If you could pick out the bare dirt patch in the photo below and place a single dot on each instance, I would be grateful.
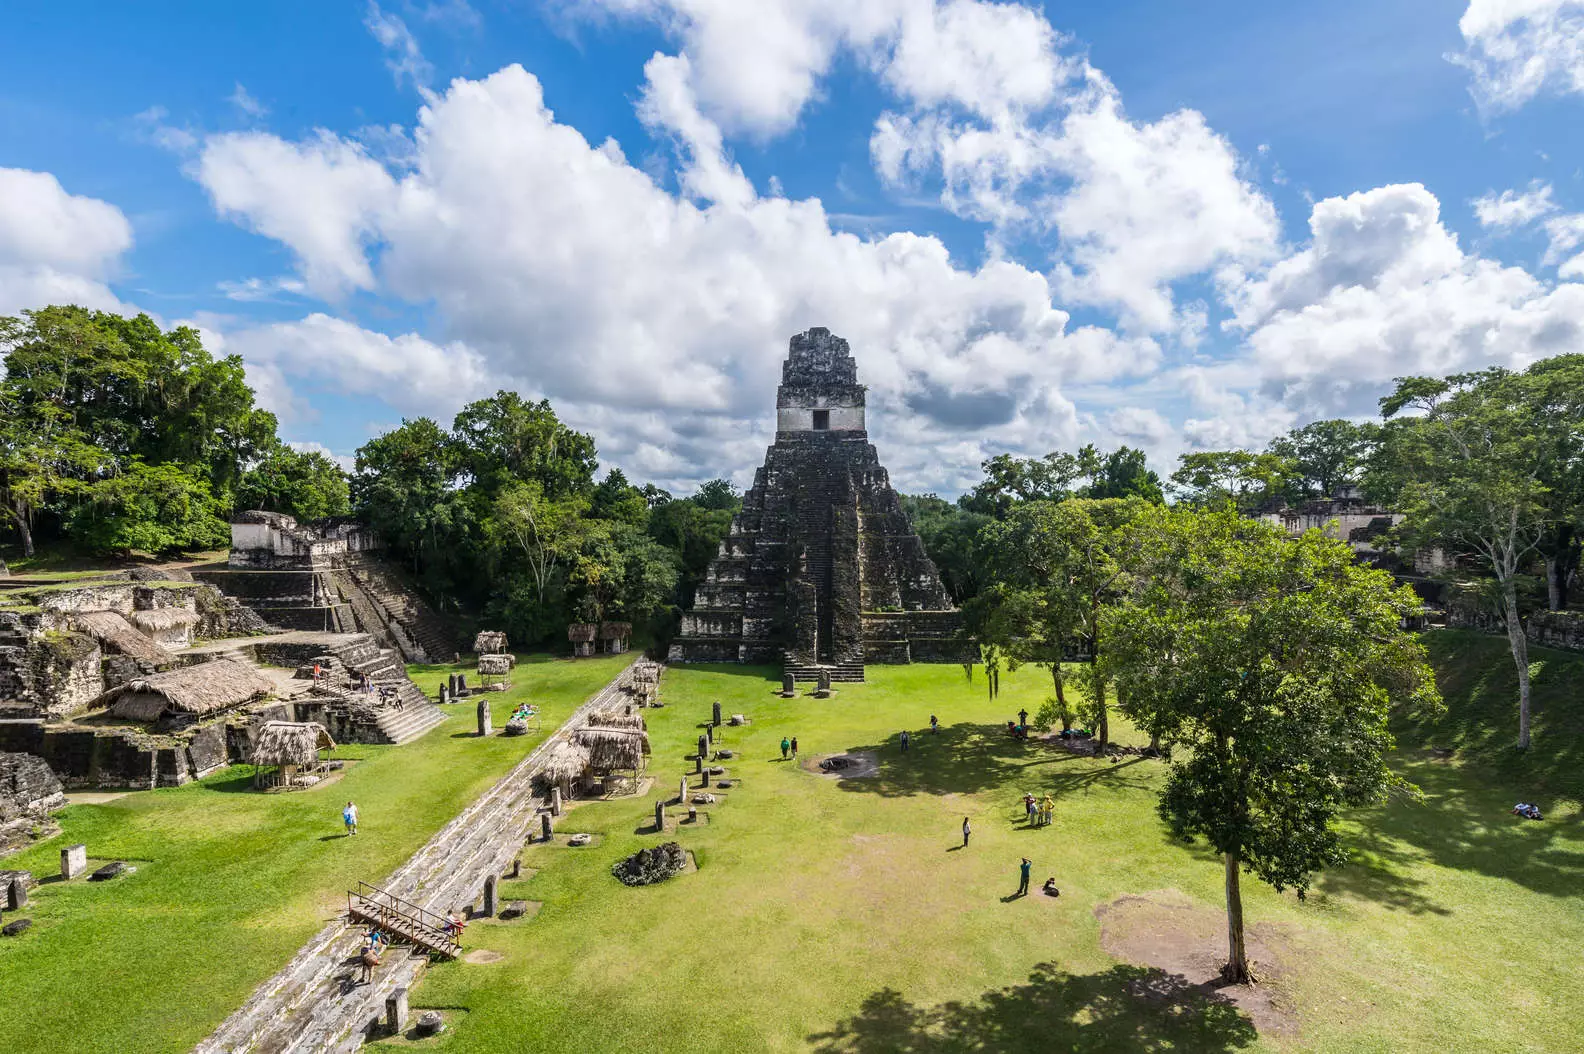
(856, 765)
(481, 956)
(1171, 931)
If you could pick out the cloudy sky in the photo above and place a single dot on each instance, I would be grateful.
(1172, 225)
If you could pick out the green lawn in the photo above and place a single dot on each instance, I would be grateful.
(231, 882)
(838, 916)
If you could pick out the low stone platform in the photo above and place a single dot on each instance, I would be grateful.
(307, 1008)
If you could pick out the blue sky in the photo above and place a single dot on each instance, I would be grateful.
(1170, 225)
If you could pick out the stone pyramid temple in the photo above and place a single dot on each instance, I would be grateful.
(821, 569)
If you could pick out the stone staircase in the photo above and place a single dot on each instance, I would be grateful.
(379, 597)
(377, 721)
(309, 1007)
(840, 673)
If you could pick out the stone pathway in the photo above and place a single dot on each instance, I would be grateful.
(309, 1007)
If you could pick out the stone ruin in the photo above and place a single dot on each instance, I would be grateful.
(328, 576)
(105, 681)
(648, 866)
(29, 792)
(822, 567)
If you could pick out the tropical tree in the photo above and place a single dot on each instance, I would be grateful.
(1053, 569)
(1273, 661)
(304, 484)
(1325, 456)
(1472, 469)
(1123, 473)
(1240, 479)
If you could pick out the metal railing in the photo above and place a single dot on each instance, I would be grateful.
(381, 906)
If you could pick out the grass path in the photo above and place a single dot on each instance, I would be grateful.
(837, 915)
(231, 882)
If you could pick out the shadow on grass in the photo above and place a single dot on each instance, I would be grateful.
(1126, 1008)
(1471, 773)
(968, 758)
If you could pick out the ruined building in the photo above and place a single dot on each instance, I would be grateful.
(821, 568)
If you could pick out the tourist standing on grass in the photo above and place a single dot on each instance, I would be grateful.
(1023, 717)
(1050, 808)
(966, 832)
(349, 816)
(934, 724)
(786, 745)
(1023, 877)
(904, 741)
(794, 748)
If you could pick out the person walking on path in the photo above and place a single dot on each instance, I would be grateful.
(786, 745)
(904, 741)
(967, 830)
(1023, 877)
(794, 748)
(349, 816)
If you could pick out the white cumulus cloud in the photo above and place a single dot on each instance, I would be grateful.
(56, 247)
(1517, 49)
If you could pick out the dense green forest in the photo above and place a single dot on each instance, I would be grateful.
(119, 438)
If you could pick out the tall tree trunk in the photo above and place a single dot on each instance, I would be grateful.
(1103, 726)
(1520, 653)
(1061, 696)
(21, 523)
(1554, 573)
(1236, 970)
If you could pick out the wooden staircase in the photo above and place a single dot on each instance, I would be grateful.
(401, 920)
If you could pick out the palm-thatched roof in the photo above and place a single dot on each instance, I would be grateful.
(615, 630)
(581, 632)
(198, 690)
(494, 665)
(157, 619)
(610, 749)
(489, 642)
(290, 743)
(114, 632)
(567, 760)
(625, 719)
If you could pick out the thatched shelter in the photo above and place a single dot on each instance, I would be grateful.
(625, 719)
(180, 697)
(494, 671)
(613, 751)
(291, 748)
(614, 637)
(489, 642)
(582, 635)
(170, 626)
(565, 764)
(116, 634)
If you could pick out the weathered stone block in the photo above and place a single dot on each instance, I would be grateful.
(396, 1011)
(74, 861)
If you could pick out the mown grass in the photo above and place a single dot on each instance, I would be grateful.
(838, 916)
(231, 882)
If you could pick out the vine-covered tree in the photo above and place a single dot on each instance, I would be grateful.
(1273, 660)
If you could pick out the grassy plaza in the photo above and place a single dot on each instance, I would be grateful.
(841, 914)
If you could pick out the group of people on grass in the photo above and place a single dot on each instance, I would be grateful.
(789, 748)
(1039, 812)
(1528, 810)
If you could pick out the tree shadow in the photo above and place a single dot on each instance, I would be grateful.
(968, 758)
(1126, 1008)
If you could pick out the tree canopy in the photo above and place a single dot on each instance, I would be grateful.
(1269, 663)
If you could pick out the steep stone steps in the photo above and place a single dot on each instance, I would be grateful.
(407, 723)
